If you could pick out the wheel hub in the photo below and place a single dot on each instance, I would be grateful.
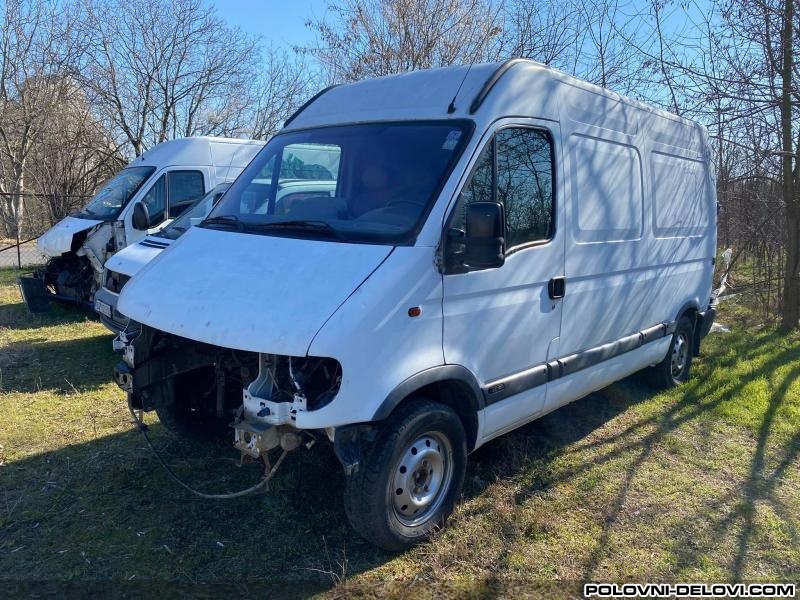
(680, 351)
(421, 478)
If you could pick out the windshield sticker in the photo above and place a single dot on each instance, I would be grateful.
(451, 140)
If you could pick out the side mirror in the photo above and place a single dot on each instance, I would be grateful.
(141, 217)
(484, 243)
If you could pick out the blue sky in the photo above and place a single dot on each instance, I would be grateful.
(282, 22)
(277, 21)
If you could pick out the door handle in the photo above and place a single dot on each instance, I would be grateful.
(557, 287)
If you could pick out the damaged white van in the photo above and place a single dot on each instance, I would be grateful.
(502, 240)
(153, 189)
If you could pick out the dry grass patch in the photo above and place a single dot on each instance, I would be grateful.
(700, 483)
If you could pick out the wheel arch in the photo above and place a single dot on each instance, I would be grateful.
(691, 309)
(452, 385)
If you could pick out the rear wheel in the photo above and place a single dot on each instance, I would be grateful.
(674, 369)
(410, 478)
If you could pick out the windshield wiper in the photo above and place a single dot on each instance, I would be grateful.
(301, 225)
(228, 221)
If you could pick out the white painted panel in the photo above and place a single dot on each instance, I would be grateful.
(606, 190)
(254, 292)
(679, 200)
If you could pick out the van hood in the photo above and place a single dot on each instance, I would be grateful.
(248, 292)
(131, 259)
(58, 239)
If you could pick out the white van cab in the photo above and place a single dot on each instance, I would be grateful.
(503, 239)
(153, 189)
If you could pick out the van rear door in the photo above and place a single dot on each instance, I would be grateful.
(501, 323)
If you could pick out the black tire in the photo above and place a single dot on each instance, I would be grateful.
(371, 496)
(674, 369)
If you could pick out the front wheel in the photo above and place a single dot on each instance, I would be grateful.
(410, 478)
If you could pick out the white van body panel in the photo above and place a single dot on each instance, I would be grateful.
(132, 259)
(228, 157)
(218, 159)
(58, 239)
(385, 345)
(286, 300)
(512, 304)
(633, 258)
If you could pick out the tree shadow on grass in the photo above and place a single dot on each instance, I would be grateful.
(94, 515)
(17, 316)
(739, 506)
(65, 366)
(103, 517)
(534, 447)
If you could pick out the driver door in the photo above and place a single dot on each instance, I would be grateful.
(501, 323)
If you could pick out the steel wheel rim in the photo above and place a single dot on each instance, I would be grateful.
(421, 477)
(680, 352)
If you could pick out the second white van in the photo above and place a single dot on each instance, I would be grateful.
(152, 190)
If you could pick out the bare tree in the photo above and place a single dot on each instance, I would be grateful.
(755, 46)
(160, 69)
(283, 83)
(603, 55)
(369, 38)
(37, 53)
(546, 31)
(75, 154)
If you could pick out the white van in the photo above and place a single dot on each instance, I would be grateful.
(153, 189)
(490, 254)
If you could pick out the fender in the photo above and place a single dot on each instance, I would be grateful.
(427, 377)
(691, 305)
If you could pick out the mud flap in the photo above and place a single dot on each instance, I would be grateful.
(34, 294)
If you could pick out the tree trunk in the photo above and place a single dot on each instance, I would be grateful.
(791, 287)
(19, 200)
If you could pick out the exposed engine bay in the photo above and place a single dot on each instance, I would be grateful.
(75, 270)
(201, 390)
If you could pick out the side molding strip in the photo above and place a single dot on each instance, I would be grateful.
(500, 389)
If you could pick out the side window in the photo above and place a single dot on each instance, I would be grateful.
(479, 188)
(184, 188)
(154, 201)
(310, 162)
(525, 184)
(516, 169)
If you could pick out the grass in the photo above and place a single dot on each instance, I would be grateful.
(696, 484)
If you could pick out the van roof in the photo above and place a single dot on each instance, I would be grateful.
(201, 150)
(517, 87)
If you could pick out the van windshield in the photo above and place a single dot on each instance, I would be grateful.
(194, 214)
(370, 183)
(114, 195)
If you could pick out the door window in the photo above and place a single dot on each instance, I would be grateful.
(154, 200)
(184, 188)
(525, 184)
(516, 169)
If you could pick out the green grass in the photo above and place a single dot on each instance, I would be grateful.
(700, 483)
